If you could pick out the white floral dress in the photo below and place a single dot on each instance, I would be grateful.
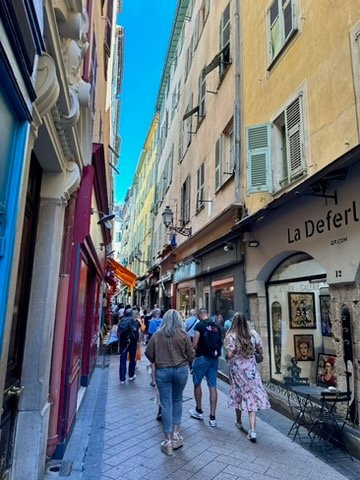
(246, 389)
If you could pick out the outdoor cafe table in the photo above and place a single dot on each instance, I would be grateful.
(308, 403)
(316, 406)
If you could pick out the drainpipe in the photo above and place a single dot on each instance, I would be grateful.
(237, 105)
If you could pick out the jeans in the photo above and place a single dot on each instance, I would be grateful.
(131, 349)
(171, 382)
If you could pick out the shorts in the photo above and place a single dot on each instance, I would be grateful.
(205, 367)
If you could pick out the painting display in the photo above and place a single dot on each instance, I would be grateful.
(304, 348)
(301, 310)
(325, 373)
(276, 330)
(325, 315)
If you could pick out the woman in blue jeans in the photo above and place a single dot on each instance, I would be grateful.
(171, 351)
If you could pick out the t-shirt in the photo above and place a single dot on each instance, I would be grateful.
(190, 325)
(154, 324)
(201, 327)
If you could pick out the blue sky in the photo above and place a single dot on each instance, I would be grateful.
(147, 26)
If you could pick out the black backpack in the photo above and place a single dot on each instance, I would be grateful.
(212, 341)
(130, 327)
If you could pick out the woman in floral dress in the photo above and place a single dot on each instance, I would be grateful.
(246, 390)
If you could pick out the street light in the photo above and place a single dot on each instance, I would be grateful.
(104, 219)
(168, 217)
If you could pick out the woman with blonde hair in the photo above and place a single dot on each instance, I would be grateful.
(170, 350)
(246, 390)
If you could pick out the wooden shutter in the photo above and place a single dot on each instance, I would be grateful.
(259, 158)
(294, 138)
(218, 167)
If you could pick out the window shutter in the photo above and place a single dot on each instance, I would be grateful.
(202, 94)
(187, 200)
(218, 164)
(259, 158)
(289, 15)
(294, 140)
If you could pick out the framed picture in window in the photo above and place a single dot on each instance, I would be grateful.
(325, 315)
(301, 310)
(325, 372)
(304, 348)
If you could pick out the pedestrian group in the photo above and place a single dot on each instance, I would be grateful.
(175, 348)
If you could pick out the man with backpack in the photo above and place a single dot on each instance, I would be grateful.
(128, 334)
(207, 343)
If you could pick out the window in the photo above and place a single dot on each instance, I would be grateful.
(224, 156)
(188, 125)
(276, 151)
(189, 57)
(200, 187)
(175, 100)
(282, 22)
(225, 41)
(185, 201)
(202, 94)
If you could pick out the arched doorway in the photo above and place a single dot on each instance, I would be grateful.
(299, 310)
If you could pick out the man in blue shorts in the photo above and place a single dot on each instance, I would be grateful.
(207, 343)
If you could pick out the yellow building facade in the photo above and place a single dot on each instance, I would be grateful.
(300, 164)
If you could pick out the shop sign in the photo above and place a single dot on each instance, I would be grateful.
(333, 220)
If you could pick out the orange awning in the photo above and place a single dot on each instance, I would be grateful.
(123, 274)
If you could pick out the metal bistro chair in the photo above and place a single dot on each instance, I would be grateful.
(330, 423)
(302, 411)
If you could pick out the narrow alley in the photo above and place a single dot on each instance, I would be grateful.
(116, 436)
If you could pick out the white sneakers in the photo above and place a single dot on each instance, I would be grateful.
(212, 422)
(195, 414)
(251, 436)
(132, 378)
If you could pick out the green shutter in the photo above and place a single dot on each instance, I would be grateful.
(259, 158)
(294, 138)
(218, 167)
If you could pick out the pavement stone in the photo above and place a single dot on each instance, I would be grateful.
(116, 436)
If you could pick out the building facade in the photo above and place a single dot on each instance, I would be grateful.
(301, 159)
(53, 268)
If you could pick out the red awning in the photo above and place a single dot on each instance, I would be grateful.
(123, 274)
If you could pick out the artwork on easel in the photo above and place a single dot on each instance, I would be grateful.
(325, 315)
(276, 333)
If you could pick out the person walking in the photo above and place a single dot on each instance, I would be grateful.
(190, 323)
(246, 390)
(128, 333)
(170, 350)
(207, 343)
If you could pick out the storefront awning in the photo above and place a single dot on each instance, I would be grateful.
(123, 274)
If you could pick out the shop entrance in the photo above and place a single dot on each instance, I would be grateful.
(13, 388)
(300, 321)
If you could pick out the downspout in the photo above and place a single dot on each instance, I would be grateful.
(237, 105)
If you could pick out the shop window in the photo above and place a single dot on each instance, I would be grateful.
(300, 318)
(187, 301)
(223, 298)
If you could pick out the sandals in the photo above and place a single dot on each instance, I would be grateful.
(166, 447)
